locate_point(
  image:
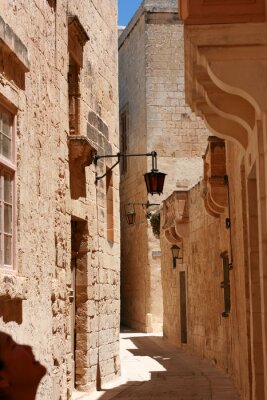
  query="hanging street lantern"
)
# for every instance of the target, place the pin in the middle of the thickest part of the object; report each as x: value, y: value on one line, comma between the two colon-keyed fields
x: 154, y: 182
x: 175, y: 254
x: 130, y: 216
x: 154, y: 179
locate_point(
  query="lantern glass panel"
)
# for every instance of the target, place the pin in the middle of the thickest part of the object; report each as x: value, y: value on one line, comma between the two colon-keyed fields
x: 175, y: 251
x: 130, y: 217
x: 154, y: 182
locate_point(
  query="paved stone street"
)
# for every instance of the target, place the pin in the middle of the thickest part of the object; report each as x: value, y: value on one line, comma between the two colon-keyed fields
x: 153, y: 369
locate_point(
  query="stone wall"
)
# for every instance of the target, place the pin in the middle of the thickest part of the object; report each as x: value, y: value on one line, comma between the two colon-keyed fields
x: 134, y: 240
x: 151, y: 74
x: 216, y: 83
x: 215, y: 335
x: 62, y: 251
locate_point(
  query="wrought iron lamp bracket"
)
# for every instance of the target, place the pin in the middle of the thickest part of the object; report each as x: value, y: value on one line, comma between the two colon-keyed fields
x: 97, y: 157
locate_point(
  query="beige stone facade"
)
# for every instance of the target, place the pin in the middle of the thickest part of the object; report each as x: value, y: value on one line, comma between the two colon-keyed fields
x: 151, y: 91
x: 60, y: 257
x: 220, y: 224
x: 211, y: 318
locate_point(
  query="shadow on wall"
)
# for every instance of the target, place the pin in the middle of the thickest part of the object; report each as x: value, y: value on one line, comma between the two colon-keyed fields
x: 11, y: 310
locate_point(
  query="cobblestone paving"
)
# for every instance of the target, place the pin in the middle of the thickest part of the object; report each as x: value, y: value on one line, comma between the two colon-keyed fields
x: 153, y: 369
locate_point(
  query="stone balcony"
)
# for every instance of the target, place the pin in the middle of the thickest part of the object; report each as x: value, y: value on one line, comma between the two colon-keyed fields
x: 176, y: 217
x: 215, y: 186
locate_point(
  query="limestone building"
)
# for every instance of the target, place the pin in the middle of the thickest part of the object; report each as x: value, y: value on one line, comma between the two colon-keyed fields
x: 220, y: 309
x: 153, y: 116
x: 59, y: 231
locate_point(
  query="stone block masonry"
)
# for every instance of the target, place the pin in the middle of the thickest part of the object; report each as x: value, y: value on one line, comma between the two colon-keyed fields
x: 214, y: 332
x: 151, y: 86
x: 61, y: 291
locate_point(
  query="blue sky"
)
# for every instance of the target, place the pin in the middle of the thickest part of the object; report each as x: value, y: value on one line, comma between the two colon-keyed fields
x: 127, y: 9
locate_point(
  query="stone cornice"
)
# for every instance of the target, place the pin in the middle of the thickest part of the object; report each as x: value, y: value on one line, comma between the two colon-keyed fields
x: 148, y: 6
x: 76, y: 28
x: 10, y: 42
x: 197, y: 12
x: 77, y: 38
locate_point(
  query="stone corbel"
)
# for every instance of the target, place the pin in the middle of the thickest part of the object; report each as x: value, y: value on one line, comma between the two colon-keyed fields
x: 215, y: 188
x: 226, y: 105
x: 80, y: 150
x: 236, y: 71
x: 80, y: 156
x: 222, y: 127
x: 172, y: 236
x: 212, y: 105
x: 176, y: 217
x: 230, y: 95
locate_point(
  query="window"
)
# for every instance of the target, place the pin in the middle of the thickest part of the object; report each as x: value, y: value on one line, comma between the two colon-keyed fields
x: 7, y: 175
x: 183, y: 311
x: 77, y: 37
x: 74, y: 97
x: 124, y: 139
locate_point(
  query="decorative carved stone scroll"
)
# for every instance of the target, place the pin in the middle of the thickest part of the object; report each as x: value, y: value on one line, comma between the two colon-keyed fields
x: 77, y: 37
x: 215, y: 188
x: 222, y: 67
x: 176, y: 217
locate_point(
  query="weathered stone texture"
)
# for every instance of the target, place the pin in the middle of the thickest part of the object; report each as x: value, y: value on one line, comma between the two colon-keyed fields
x: 178, y: 136
x: 45, y: 205
x: 132, y: 96
x: 225, y: 66
x: 151, y: 75
x: 209, y: 334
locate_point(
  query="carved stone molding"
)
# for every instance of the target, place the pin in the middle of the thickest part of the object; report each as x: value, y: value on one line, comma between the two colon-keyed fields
x: 14, y: 58
x: 221, y: 12
x: 223, y: 66
x: 77, y: 38
x: 215, y: 188
x: 176, y: 217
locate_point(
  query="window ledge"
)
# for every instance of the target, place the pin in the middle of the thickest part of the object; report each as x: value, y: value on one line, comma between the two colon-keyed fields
x: 13, y: 287
x: 14, y: 46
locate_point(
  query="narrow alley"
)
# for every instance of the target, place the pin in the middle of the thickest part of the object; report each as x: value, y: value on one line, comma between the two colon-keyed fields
x: 133, y: 192
x: 154, y: 369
